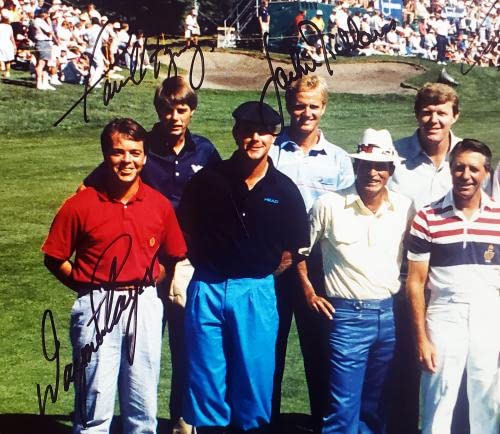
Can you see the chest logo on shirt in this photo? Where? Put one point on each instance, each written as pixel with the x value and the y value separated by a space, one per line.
pixel 271 200
pixel 152 241
pixel 196 167
pixel 489 254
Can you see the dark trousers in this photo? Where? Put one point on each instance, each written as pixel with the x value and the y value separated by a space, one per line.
pixel 405 374
pixel 442 42
pixel 175 318
pixel 312 338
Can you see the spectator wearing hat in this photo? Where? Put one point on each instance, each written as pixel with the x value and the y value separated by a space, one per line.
pixel 191 28
pixel 244 222
pixel 360 231
pixel 318 20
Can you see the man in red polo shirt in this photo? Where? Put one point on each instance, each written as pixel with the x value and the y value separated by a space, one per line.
pixel 124 236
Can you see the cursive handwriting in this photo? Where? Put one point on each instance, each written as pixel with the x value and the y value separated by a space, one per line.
pixel 492 44
pixel 105 314
pixel 137 71
pixel 351 39
pixel 54 357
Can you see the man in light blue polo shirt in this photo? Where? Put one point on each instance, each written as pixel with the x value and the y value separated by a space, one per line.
pixel 301 150
pixel 425 174
pixel 316 166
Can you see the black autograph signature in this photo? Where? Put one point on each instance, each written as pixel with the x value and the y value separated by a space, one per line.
pixel 137 72
pixel 351 39
pixel 492 44
pixel 109 310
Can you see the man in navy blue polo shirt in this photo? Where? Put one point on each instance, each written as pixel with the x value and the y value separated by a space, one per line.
pixel 175 156
pixel 244 222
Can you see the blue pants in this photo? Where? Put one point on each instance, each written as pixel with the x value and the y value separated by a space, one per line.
pixel 230 330
pixel 361 339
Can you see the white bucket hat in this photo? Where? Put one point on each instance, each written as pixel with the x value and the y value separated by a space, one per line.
pixel 376 145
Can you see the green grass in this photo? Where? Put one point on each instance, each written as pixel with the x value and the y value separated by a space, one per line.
pixel 41 165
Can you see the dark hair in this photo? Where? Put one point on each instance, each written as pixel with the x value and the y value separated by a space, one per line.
pixel 174 90
pixel 124 126
pixel 471 145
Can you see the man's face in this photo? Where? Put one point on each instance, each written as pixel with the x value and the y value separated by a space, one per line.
pixel 468 172
pixel 253 140
pixel 175 119
pixel 435 122
pixel 372 176
pixel 126 158
pixel 306 111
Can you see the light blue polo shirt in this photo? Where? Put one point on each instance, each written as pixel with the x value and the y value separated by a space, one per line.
pixel 326 167
pixel 417 177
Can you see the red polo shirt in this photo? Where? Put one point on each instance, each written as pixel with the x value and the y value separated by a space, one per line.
pixel 114 242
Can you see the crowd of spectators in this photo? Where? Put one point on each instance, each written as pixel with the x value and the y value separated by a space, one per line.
pixel 459 31
pixel 61 43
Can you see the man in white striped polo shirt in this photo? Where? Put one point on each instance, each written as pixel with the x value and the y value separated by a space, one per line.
pixel 454 251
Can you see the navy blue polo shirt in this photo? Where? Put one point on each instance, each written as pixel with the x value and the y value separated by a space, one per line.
pixel 166 171
pixel 235 232
pixel 264 13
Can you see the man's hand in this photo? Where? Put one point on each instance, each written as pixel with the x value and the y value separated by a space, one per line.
pixel 427 356
pixel 320 305
pixel 286 262
pixel 62 270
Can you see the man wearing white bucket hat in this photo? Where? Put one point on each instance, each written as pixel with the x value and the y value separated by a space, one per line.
pixel 360 230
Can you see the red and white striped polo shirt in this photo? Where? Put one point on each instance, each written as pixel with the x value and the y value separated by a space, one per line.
pixel 463 254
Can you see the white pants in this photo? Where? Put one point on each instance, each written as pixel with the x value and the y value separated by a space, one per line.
pixel 110 367
pixel 466 335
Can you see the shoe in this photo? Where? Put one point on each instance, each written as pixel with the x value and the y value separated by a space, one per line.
pixel 117 68
pixel 55 81
pixel 45 86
